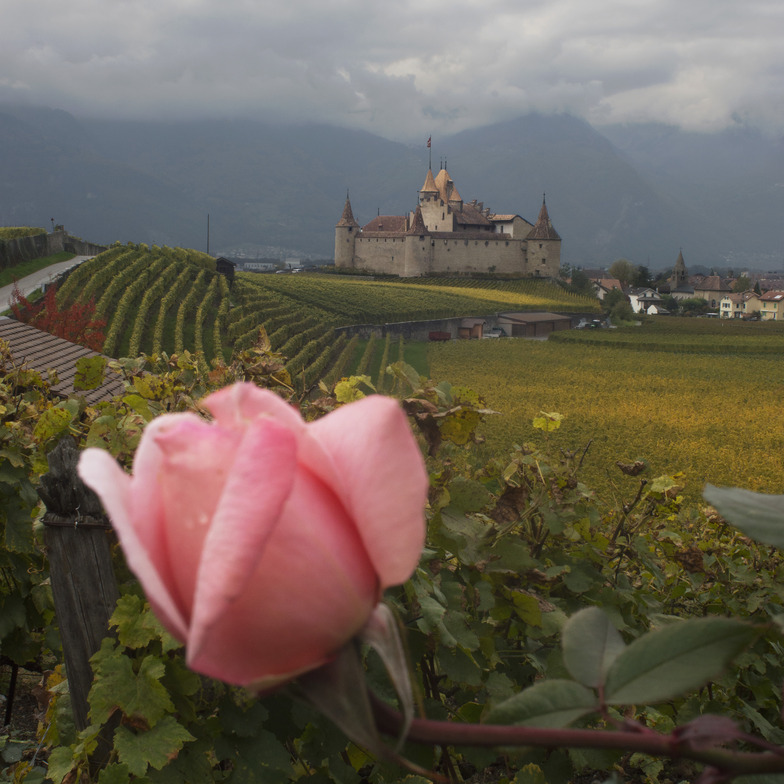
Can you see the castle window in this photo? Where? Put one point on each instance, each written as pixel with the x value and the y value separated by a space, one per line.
pixel 540 245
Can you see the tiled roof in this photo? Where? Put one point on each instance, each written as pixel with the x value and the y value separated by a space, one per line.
pixel 430 183
pixel 442 182
pixel 418 224
pixel 470 215
pixel 41 351
pixel 543 228
pixel 772 296
pixel 386 224
pixel 528 318
pixel 347 218
pixel 712 283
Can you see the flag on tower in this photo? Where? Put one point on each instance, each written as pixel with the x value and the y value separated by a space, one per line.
pixel 428 141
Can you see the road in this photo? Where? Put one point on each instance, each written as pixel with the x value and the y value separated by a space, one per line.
pixel 38 279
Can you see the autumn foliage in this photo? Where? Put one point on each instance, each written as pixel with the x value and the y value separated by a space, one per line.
pixel 77 323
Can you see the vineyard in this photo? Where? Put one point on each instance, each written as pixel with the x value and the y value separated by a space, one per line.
pixel 170 299
pixel 657 392
pixel 707 412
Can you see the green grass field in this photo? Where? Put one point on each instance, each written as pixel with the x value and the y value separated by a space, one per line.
pixel 19 271
pixel 715 418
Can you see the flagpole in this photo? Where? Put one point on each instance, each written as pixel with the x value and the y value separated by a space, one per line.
pixel 429 153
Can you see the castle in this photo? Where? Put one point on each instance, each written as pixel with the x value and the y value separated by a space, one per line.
pixel 446 236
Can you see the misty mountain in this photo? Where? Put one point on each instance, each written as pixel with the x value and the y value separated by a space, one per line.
pixel 638 192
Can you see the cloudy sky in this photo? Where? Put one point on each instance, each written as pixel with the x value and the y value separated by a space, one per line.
pixel 400 68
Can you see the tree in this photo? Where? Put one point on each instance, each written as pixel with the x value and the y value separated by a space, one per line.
pixel 622 312
pixel 613 298
pixel 694 306
pixel 642 276
pixel 670 303
pixel 741 284
pixel 581 283
pixel 77 323
pixel 623 270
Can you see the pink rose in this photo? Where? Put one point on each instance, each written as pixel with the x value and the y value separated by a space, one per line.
pixel 264 542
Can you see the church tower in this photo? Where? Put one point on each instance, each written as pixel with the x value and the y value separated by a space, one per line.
pixel 544 246
pixel 680 277
pixel 345 238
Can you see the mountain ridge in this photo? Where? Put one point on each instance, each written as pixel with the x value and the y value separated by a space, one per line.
pixel 637 192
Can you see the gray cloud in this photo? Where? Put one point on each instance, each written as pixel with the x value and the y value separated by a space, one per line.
pixel 403 69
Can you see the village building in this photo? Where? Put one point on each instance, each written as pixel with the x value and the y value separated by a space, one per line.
pixel 740 305
pixel 645 300
pixel 772 306
pixel 444 235
pixel 711 288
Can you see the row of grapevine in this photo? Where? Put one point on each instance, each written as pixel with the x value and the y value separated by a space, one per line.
pixel 340 366
pixel 140 272
pixel 317 367
pixel 167 301
pixel 367 356
pixel 90 278
pixel 196 291
pixel 130 296
pixel 220 319
pixel 382 369
pixel 151 296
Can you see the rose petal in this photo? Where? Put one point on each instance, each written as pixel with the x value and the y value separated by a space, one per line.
pixel 312 591
pixel 239 404
pixel 382 480
pixel 194 462
pixel 100 471
pixel 261 479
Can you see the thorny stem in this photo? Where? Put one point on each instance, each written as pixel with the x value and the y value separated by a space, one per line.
pixel 447 733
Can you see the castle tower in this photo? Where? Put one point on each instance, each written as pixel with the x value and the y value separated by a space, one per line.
pixel 429 191
pixel 418 248
pixel 544 246
pixel 345 238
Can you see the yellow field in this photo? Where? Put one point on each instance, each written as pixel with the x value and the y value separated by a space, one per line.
pixel 718 419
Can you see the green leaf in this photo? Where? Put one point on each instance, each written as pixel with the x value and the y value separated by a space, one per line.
pixel 553 703
pixel 138 404
pixel 114 774
pixel 52 423
pixel 548 421
pixel 759 516
pixel 116 685
pixel 136 624
pixel 155 747
pixel 89 373
pixel 590 645
pixel 527 608
pixel 60 763
pixel 678 658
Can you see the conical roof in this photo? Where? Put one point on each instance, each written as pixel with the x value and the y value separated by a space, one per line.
pixel 543 228
pixel 418 224
pixel 347 218
pixel 430 183
pixel 444 183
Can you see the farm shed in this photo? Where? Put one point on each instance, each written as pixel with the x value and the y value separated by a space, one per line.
pixel 471 328
pixel 225 268
pixel 40 351
pixel 532 325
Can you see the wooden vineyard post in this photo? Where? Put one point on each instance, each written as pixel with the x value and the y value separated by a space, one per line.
pixel 77 538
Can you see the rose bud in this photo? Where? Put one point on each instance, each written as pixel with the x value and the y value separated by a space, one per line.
pixel 263 542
